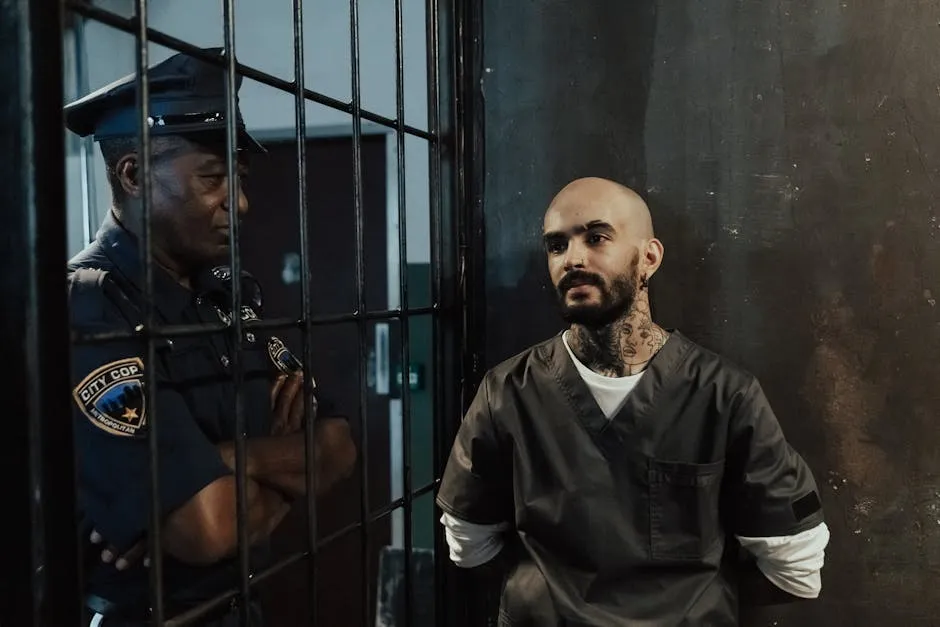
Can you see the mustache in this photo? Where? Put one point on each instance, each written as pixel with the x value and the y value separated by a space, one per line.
pixel 578 277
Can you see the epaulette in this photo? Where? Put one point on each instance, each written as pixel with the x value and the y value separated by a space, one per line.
pixel 90 289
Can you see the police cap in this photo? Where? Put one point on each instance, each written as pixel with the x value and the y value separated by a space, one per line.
pixel 187 96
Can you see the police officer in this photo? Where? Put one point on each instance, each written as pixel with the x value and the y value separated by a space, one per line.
pixel 194 393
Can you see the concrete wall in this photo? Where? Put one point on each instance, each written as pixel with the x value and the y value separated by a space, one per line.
pixel 789 151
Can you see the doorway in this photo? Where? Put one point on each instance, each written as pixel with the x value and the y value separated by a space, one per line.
pixel 270 249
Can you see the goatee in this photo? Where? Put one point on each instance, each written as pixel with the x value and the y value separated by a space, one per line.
pixel 616 300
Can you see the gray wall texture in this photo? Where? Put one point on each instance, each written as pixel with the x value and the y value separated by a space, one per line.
pixel 789 151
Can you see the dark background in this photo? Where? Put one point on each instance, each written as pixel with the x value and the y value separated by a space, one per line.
pixel 270 231
pixel 788 151
pixel 359 583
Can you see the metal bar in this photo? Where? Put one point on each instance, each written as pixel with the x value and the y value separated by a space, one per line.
pixel 169 331
pixel 433 60
pixel 121 23
pixel 434 189
pixel 40 584
pixel 211 328
pixel 300 122
pixel 146 252
pixel 194 614
pixel 378 514
pixel 218 601
pixel 470 168
pixel 385 510
pixel 234 198
pixel 434 21
pixel 471 605
pixel 360 306
pixel 404 324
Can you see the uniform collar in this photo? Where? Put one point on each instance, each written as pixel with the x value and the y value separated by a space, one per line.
pixel 639 403
pixel 122 248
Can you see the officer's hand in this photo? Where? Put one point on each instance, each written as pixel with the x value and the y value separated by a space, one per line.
pixel 287 404
pixel 122 562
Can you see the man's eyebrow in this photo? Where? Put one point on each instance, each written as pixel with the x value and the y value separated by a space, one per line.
pixel 211 162
pixel 214 162
pixel 599 225
pixel 581 228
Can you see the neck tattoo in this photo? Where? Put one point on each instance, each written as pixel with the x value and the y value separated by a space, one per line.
pixel 622 348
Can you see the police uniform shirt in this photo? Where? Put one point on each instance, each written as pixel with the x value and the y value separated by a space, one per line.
pixel 624 520
pixel 194 402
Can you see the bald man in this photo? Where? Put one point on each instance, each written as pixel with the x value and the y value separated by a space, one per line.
pixel 612 473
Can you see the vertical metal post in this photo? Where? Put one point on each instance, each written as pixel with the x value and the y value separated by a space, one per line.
pixel 470 167
pixel 234 193
pixel 467 604
pixel 146 252
pixel 40 582
pixel 362 322
pixel 300 122
pixel 404 319
pixel 440 408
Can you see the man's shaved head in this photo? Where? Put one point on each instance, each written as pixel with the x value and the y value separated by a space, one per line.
pixel 598 236
pixel 591 193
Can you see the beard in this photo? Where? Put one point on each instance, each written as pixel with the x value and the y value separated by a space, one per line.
pixel 616 298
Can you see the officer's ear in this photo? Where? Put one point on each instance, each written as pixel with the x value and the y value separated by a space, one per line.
pixel 126 170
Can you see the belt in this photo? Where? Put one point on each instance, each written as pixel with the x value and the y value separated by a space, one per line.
pixel 102 606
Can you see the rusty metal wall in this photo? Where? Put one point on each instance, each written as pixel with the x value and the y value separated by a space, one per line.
pixel 789 151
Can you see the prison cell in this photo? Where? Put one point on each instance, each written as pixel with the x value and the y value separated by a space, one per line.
pixel 786 151
pixel 49 591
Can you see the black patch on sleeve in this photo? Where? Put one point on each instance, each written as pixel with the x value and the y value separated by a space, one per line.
pixel 806 505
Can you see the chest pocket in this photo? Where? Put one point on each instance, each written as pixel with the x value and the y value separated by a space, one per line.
pixel 202 373
pixel 256 388
pixel 256 362
pixel 195 371
pixel 684 509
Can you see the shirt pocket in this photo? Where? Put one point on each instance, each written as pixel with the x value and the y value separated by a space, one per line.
pixel 195 372
pixel 684 509
pixel 256 363
pixel 258 374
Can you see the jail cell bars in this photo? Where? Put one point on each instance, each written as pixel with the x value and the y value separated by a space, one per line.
pixel 443 310
pixel 39 550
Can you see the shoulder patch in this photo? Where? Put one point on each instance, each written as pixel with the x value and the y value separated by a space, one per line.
pixel 112 397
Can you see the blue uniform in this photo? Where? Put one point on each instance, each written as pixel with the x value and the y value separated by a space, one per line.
pixel 194 395
pixel 194 405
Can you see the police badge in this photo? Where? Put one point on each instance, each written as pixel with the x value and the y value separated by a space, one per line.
pixel 112 397
pixel 285 362
pixel 252 296
pixel 282 358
